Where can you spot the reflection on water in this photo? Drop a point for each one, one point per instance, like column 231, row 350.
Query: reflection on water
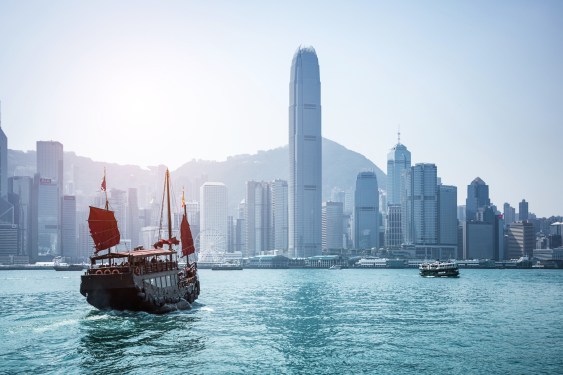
column 127, row 341
column 293, row 322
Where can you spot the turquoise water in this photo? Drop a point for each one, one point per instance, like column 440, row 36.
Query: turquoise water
column 294, row 322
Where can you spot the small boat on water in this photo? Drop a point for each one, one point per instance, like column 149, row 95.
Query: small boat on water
column 148, row 280
column 59, row 264
column 68, row 267
column 439, row 269
column 337, row 267
column 227, row 267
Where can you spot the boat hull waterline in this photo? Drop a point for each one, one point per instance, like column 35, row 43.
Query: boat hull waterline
column 127, row 291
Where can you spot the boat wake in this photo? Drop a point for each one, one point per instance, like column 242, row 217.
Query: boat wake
column 55, row 326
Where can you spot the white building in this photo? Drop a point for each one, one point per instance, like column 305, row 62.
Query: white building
column 333, row 229
column 213, row 217
column 280, row 214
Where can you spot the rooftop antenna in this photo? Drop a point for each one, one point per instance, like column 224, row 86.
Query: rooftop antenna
column 399, row 135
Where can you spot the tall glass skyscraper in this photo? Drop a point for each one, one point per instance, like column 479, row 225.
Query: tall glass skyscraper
column 398, row 161
column 421, row 209
column 366, row 211
column 477, row 197
column 3, row 163
column 50, row 162
column 305, row 155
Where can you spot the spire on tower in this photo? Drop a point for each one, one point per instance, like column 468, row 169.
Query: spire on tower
column 399, row 135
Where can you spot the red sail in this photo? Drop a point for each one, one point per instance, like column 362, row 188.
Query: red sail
column 103, row 228
column 186, row 236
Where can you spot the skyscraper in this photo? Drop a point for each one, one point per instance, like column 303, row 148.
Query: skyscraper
column 447, row 214
column 366, row 211
column 523, row 210
column 398, row 161
column 50, row 162
column 69, row 240
column 333, row 229
column 213, row 217
column 477, row 197
column 3, row 161
column 421, row 211
column 279, row 214
column 509, row 214
column 305, row 155
column 258, row 217
column 20, row 188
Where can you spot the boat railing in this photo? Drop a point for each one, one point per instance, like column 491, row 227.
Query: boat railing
column 138, row 269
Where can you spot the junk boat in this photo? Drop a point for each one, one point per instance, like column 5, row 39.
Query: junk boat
column 439, row 269
column 143, row 279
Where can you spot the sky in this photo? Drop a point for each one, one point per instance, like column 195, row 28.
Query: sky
column 475, row 87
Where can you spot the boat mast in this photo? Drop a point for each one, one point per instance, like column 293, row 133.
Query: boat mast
column 167, row 178
column 105, row 190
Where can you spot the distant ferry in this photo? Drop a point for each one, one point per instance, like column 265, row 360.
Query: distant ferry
column 439, row 269
column 68, row 267
column 226, row 267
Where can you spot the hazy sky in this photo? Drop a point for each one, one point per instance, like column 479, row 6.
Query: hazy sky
column 475, row 86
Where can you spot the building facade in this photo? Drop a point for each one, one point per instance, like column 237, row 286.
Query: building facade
column 213, row 217
column 447, row 215
column 333, row 229
column 398, row 162
column 305, row 156
column 69, row 232
column 280, row 214
column 520, row 240
column 477, row 197
column 421, row 208
column 50, row 162
column 366, row 212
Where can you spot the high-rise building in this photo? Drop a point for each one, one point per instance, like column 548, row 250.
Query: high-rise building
column 48, row 243
column 477, row 197
column 19, row 194
column 398, row 162
column 333, row 229
column 279, row 214
column 366, row 212
column 393, row 229
column 421, row 208
column 521, row 240
column 447, row 215
column 133, row 221
column 69, row 243
column 118, row 203
column 523, row 214
column 258, row 217
column 50, row 162
column 213, row 217
column 509, row 214
column 3, row 161
column 305, row 155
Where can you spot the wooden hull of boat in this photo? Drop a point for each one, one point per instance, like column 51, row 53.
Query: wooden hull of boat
column 126, row 291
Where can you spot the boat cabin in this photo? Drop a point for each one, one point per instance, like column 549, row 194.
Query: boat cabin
column 139, row 262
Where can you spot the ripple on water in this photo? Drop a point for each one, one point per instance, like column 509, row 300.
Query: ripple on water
column 294, row 322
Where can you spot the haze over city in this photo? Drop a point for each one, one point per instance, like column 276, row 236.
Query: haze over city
column 475, row 87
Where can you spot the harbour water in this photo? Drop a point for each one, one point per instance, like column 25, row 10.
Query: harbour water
column 298, row 321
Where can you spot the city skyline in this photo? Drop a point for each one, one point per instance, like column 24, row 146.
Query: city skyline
column 480, row 100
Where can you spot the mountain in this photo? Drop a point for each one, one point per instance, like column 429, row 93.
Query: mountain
column 340, row 168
